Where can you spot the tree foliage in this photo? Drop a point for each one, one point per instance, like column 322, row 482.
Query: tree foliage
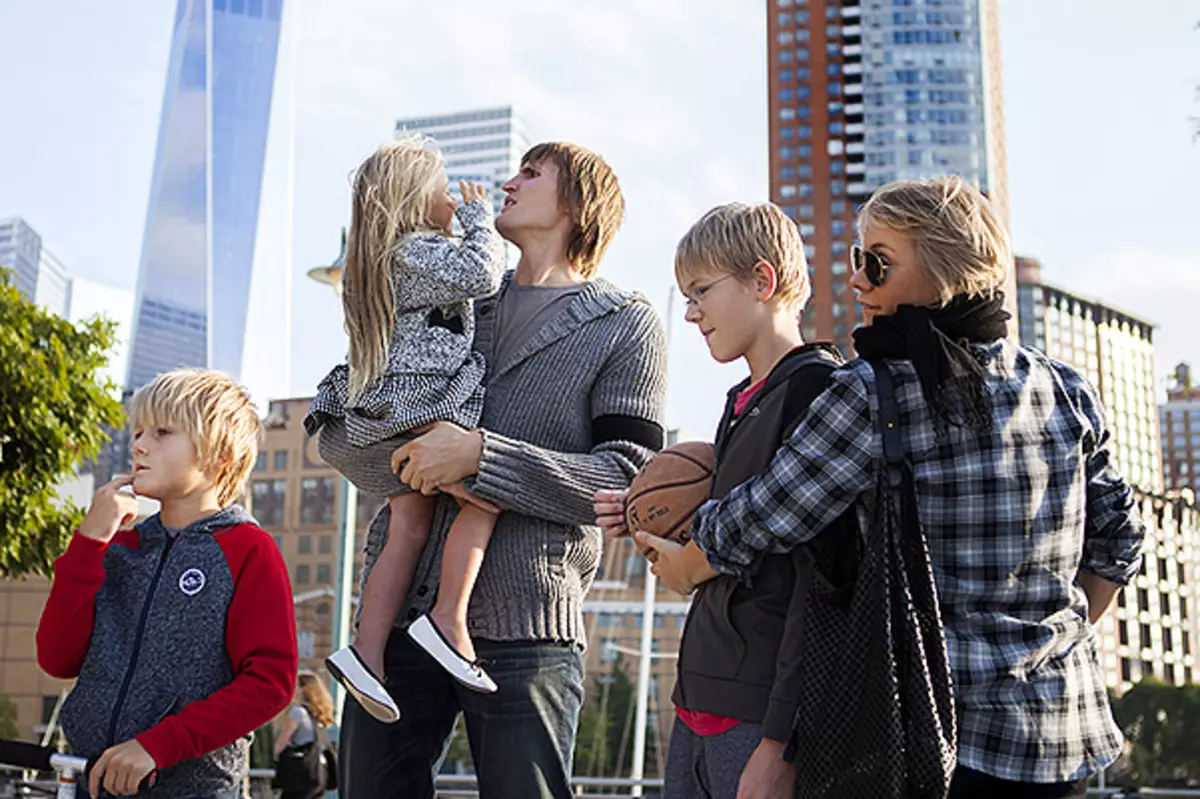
column 53, row 407
column 603, row 746
column 1162, row 725
column 8, row 718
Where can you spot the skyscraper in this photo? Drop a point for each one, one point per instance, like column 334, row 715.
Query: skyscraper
column 864, row 92
column 484, row 146
column 39, row 276
column 1115, row 351
column 198, row 254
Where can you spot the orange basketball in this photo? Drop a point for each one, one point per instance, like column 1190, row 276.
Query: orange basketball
column 667, row 492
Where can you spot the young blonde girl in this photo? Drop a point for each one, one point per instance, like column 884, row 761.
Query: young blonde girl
column 309, row 714
column 407, row 291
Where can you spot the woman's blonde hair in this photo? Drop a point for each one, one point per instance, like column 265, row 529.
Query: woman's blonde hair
column 315, row 697
column 392, row 190
column 215, row 413
column 960, row 241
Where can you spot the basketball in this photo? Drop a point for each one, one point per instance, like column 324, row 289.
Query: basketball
column 666, row 494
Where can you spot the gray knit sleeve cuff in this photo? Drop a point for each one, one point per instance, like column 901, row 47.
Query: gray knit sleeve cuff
column 499, row 468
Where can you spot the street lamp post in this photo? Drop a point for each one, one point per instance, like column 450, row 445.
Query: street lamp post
column 331, row 276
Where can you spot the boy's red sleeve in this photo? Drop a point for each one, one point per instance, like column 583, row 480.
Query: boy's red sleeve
column 65, row 629
column 260, row 639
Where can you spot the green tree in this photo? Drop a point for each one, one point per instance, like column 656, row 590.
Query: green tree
column 1162, row 723
column 53, row 407
column 262, row 747
column 8, row 718
column 603, row 746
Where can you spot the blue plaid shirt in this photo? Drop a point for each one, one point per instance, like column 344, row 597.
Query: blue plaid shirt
column 1011, row 514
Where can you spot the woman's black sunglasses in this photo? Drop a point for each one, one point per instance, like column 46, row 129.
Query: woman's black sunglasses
column 871, row 263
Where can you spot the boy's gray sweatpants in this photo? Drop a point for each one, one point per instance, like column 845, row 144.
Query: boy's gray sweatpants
column 708, row 766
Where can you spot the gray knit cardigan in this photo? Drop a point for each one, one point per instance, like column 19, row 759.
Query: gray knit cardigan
column 578, row 408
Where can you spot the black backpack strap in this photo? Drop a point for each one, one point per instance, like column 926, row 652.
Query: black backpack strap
column 889, row 422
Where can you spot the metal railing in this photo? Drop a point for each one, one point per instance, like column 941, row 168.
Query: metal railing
column 463, row 786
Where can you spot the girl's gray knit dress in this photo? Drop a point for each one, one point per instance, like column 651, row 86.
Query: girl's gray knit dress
column 433, row 371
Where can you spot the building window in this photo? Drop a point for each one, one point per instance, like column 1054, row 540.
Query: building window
column 260, row 463
column 1169, row 672
column 325, row 544
column 1164, row 605
column 1143, row 595
column 1123, row 633
column 304, row 547
column 837, row 207
column 833, row 31
column 267, row 501
column 316, row 500
column 281, row 460
column 833, row 70
column 804, row 211
column 323, row 574
column 832, row 12
column 1168, row 640
column 804, row 131
column 837, row 227
column 786, row 37
column 1144, row 636
column 836, row 128
column 835, row 89
column 839, row 268
column 48, row 705
column 303, row 574
column 785, row 76
column 833, row 49
column 802, row 53
column 787, row 190
column 1125, row 671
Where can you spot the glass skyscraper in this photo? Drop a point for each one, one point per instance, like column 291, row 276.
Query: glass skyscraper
column 198, row 253
column 865, row 92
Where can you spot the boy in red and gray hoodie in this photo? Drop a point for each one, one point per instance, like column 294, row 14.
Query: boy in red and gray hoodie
column 181, row 630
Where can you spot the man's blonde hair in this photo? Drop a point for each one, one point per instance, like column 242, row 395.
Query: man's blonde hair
column 215, row 413
column 960, row 242
column 588, row 190
column 733, row 238
column 392, row 189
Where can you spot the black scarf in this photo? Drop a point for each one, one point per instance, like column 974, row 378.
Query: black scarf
column 935, row 340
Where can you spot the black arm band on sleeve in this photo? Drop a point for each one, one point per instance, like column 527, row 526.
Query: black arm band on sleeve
column 627, row 428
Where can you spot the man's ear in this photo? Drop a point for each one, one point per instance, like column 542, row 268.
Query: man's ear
column 766, row 280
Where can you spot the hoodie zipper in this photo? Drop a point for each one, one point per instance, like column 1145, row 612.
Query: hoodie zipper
column 137, row 643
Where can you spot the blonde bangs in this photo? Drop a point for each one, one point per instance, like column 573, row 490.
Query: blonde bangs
column 214, row 412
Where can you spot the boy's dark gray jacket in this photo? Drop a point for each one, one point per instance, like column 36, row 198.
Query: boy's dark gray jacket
column 740, row 642
column 186, row 642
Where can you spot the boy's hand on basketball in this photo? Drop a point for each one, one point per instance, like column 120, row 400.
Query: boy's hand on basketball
column 609, row 507
column 121, row 769
column 680, row 567
column 471, row 191
column 114, row 506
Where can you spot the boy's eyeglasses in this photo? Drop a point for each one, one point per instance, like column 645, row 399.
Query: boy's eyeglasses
column 696, row 298
column 871, row 263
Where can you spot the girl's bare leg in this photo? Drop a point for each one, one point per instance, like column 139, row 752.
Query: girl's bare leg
column 462, row 557
column 389, row 580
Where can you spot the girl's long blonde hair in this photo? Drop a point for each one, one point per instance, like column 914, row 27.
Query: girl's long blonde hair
column 315, row 697
column 392, row 189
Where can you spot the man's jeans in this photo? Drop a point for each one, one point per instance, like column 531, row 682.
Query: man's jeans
column 522, row 737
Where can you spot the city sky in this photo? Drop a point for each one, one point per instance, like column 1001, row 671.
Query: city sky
column 1102, row 165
